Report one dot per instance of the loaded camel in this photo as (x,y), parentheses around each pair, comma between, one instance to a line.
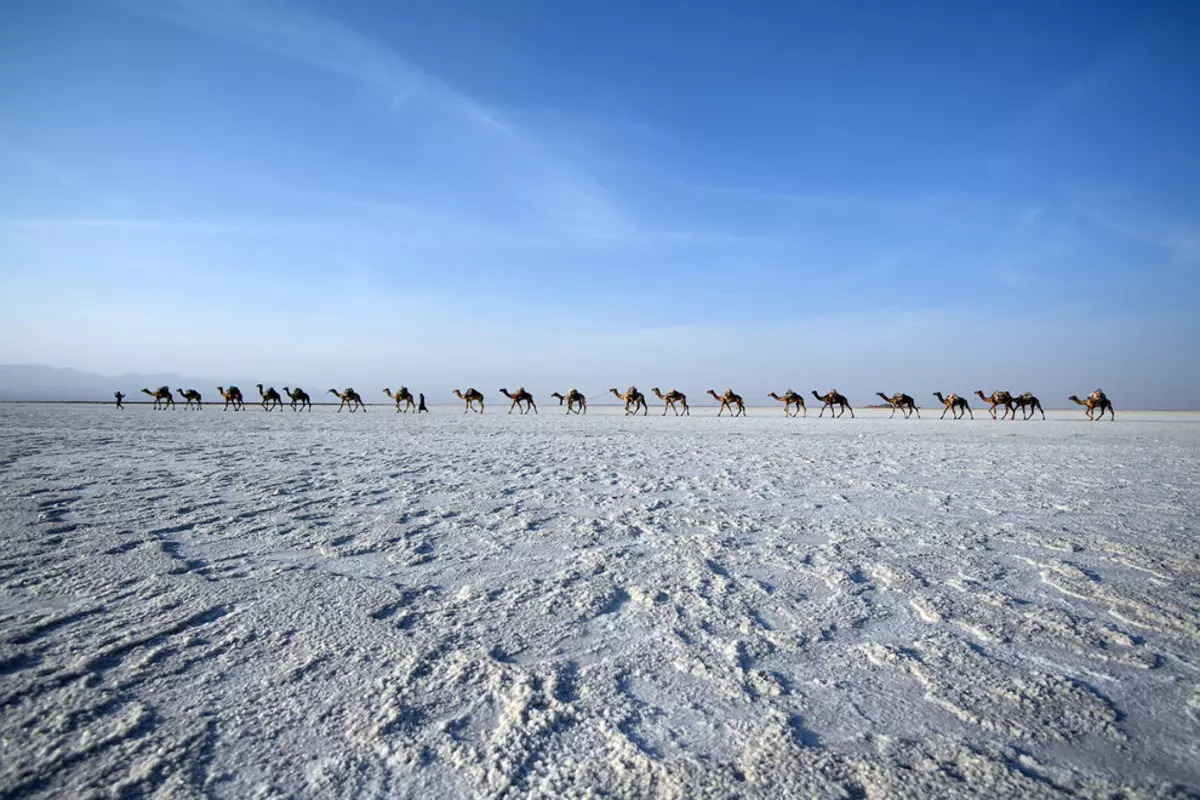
(518,397)
(728,401)
(903,402)
(349,397)
(957,406)
(270,398)
(191,396)
(161,395)
(670,399)
(573,397)
(402,395)
(299,398)
(998,398)
(633,398)
(833,398)
(790,399)
(471,397)
(1096,400)
(233,397)
(1028,401)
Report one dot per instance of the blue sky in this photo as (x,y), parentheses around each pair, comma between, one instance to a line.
(897,196)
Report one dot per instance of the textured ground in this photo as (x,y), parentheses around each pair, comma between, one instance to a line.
(336,605)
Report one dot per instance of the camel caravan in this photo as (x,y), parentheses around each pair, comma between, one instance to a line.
(999,404)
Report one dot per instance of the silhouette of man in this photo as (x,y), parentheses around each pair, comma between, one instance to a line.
(421,404)
(120,396)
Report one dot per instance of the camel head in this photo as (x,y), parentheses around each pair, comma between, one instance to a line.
(814,393)
(334,392)
(259,388)
(147,391)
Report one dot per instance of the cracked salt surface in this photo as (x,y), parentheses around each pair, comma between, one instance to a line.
(325,605)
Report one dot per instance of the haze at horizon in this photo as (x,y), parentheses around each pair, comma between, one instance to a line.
(902,197)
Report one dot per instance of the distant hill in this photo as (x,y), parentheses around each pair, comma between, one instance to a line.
(38,382)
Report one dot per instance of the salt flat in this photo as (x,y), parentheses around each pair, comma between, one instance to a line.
(354,605)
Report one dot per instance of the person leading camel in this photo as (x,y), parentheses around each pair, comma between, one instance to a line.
(299,398)
(901,401)
(470,398)
(833,398)
(957,406)
(161,395)
(790,399)
(421,404)
(120,396)
(670,399)
(402,395)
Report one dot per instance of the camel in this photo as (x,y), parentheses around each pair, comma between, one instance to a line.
(470,397)
(1028,401)
(728,401)
(1096,400)
(421,404)
(270,398)
(402,395)
(633,398)
(233,397)
(573,397)
(299,398)
(161,395)
(901,401)
(191,396)
(349,397)
(120,396)
(833,398)
(670,399)
(790,399)
(518,397)
(998,398)
(957,406)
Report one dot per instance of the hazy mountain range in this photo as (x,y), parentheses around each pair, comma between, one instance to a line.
(39,382)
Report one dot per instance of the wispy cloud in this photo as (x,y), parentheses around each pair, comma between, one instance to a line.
(558,191)
(21,159)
